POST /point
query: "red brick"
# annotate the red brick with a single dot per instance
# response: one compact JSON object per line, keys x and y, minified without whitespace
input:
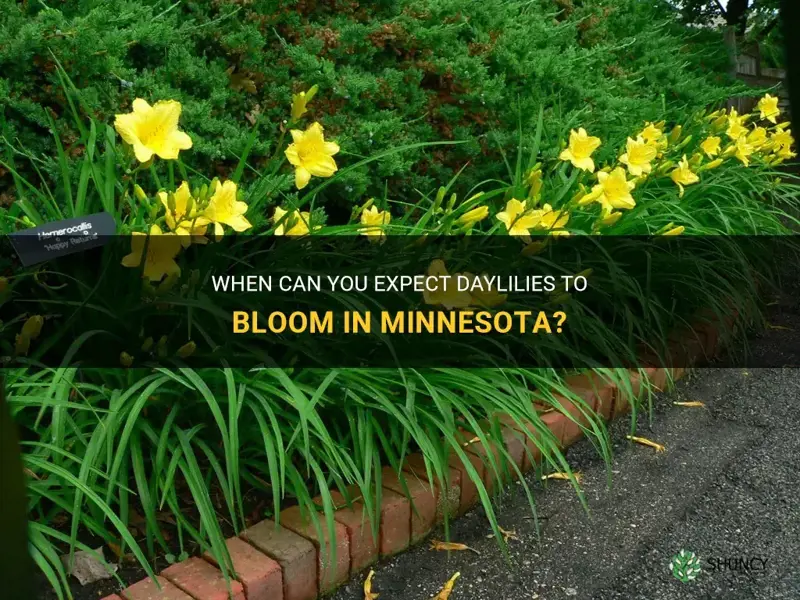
{"x":203,"y":581}
{"x":598,"y":392}
{"x":260,"y":575}
{"x":572,"y":430}
{"x":395,"y":523}
{"x":554,"y":421}
{"x":657,"y":377}
{"x":469,"y":489}
{"x":423,"y":499}
{"x":146,"y":589}
{"x":495,"y":463}
{"x":331,"y":574}
{"x":449,"y":498}
{"x":514,"y":443}
{"x":364,"y":545}
{"x":295,"y":554}
{"x":528,"y":435}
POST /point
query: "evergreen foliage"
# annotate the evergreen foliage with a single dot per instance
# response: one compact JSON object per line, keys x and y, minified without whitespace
{"x":390,"y":72}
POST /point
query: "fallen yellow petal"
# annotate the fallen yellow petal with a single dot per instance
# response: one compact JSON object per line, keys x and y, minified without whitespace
{"x":448,"y":588}
{"x":563,"y":476}
{"x":368,"y":595}
{"x":690,"y":404}
{"x":646,"y":442}
{"x":778,"y":327}
{"x":451,"y":546}
{"x":509,"y":535}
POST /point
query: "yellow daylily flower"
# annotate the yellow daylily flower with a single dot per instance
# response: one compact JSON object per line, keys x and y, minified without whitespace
{"x":683,"y":175}
{"x":447,"y":293}
{"x":295,"y":225}
{"x":553,"y":221}
{"x":473,"y":216}
{"x":517,"y":219}
{"x":785,"y":153}
{"x":153,"y":130}
{"x":300,"y":102}
{"x":581,"y":147}
{"x":711,"y":146}
{"x":162,"y":248}
{"x":757,"y":138}
{"x":225,"y":209}
{"x":650,"y":134}
{"x":743,"y":150}
{"x":488,"y":298}
{"x":184,"y":218}
{"x":374,"y":219}
{"x":311,"y":155}
{"x":638,"y":157}
{"x":612,"y":191}
{"x":768,"y":106}
{"x":736,"y":128}
{"x":782,"y":139}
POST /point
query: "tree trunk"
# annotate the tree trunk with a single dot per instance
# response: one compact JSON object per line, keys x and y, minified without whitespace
{"x":736,"y":16}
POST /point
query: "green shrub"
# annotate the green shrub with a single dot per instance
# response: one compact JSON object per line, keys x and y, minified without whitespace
{"x":390,"y":73}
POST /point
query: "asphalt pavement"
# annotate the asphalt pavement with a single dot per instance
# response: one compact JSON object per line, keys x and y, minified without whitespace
{"x":725,"y":489}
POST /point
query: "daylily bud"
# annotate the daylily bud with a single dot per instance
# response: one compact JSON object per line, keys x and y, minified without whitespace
{"x":451,"y":203}
{"x":3,"y":284}
{"x":189,"y":205}
{"x":533,"y":248}
{"x":611,"y":218}
{"x":439,"y":198}
{"x":187,"y":349}
{"x":161,"y":348}
{"x":27,"y":222}
{"x":147,"y":344}
{"x":240,"y":195}
{"x":675,"y":230}
{"x":684,"y":143}
{"x":33,"y":327}
{"x":660,"y":124}
{"x":203,"y":193}
{"x":473,"y":216}
{"x":719,"y":123}
{"x":171,"y":202}
{"x":22,"y":344}
{"x":139,"y":193}
{"x":666,"y":166}
{"x":696,"y":160}
{"x":666,"y":227}
{"x":675,"y":134}
{"x":561,"y":298}
{"x":125,"y":359}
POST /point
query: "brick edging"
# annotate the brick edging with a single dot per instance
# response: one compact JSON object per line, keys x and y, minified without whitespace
{"x":284,"y":562}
